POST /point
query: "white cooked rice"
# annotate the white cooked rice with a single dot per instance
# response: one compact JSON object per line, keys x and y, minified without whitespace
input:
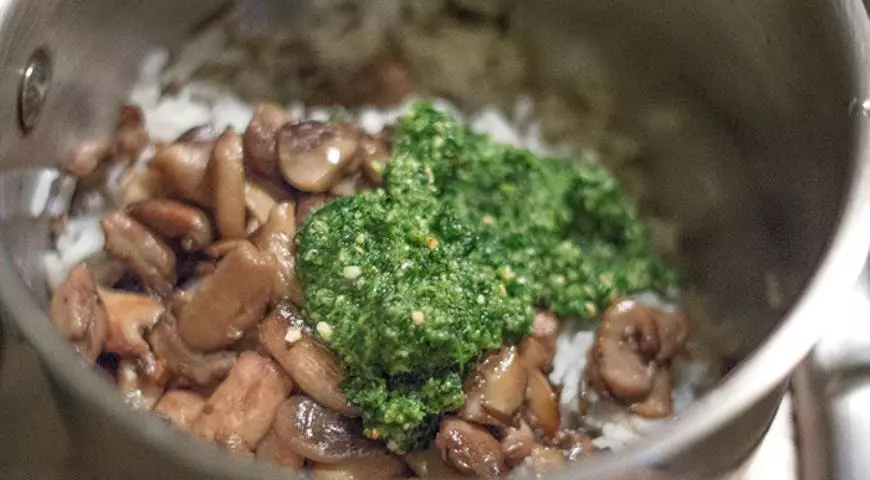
{"x":197,"y":104}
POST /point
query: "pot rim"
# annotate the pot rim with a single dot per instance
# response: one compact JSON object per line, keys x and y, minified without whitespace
{"x":764,"y":370}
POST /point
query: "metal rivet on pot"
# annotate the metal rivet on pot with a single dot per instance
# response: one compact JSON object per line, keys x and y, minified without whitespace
{"x":34,"y":87}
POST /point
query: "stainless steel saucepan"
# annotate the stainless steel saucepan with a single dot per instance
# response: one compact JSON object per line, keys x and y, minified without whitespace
{"x":754,"y":112}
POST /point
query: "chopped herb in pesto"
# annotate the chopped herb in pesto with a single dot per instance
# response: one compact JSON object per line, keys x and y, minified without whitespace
{"x":402,"y":306}
{"x":411,"y":283}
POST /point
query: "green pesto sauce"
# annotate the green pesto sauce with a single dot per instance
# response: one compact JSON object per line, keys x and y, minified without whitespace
{"x":450,"y":258}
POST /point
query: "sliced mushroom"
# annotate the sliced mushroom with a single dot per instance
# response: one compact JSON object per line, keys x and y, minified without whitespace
{"x":271,"y":449}
{"x":428,"y":463}
{"x":140,"y":184}
{"x":78,"y":312}
{"x":308,"y":204}
{"x":281,"y":329}
{"x":180,"y":299}
{"x":202,"y":369}
{"x":673,"y":330}
{"x":181,"y":407}
{"x":145,"y":254}
{"x":251,"y":226}
{"x":632,"y":324}
{"x":317,"y":372}
{"x":374,"y":154}
{"x":129,"y":316}
{"x":276,"y":237}
{"x":228,"y":185}
{"x":258,"y":201}
{"x":234,"y":444}
{"x":182,"y":169}
{"x":622,"y":357}
{"x":312,"y":155}
{"x":517,"y":443}
{"x":223,"y":248}
{"x":547,"y":459}
{"x":174,"y":220}
{"x":245,"y":404}
{"x":206,"y":133}
{"x":659,"y":403}
{"x":141,"y":391}
{"x":260,"y":139}
{"x":623,"y":373}
{"x":321,"y":434}
{"x":131,"y":137}
{"x":498,"y":386}
{"x":470,"y":448}
{"x":539,"y":349}
{"x":542,"y":404}
{"x":382,"y":466}
{"x":86,"y":159}
{"x":348,"y":186}
{"x":230,"y":301}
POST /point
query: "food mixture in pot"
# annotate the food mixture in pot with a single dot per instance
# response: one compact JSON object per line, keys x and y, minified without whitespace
{"x":413,"y":298}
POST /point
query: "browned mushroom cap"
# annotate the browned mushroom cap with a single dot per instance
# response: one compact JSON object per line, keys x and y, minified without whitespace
{"x":517,"y":443}
{"x":314,"y":368}
{"x":633,"y":324}
{"x":145,"y":254}
{"x":271,"y":449}
{"x":496,"y":389}
{"x":129,"y":316}
{"x":182,"y":169}
{"x":312,"y":155}
{"x":276,"y":238}
{"x":131,"y":137}
{"x":321,"y":434}
{"x":258,"y":201}
{"x":201,"y":369}
{"x":308,"y":204}
{"x":244,"y":405}
{"x":181,"y":407}
{"x":621,"y":370}
{"x":658,"y":404}
{"x":78,"y":312}
{"x":228,"y":185}
{"x":86,"y":159}
{"x":470,"y":448}
{"x":382,"y":466}
{"x":627,"y":343}
{"x":374,"y":155}
{"x":429,"y":463}
{"x":141,"y":391}
{"x":173,"y":219}
{"x":230,"y":301}
{"x":542,"y":404}
{"x":260,"y":139}
{"x":547,"y":459}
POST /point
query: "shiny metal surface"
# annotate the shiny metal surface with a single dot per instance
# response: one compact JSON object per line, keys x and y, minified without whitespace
{"x":35,"y":81}
{"x":832,"y":393}
{"x":757,"y":141}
